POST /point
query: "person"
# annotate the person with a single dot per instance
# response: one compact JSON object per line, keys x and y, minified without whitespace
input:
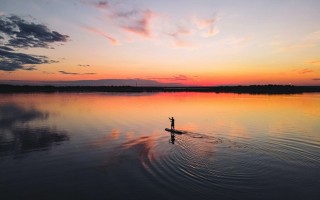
{"x":172,"y":122}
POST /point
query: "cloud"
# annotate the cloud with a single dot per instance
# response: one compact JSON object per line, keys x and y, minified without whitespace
{"x":237,"y":41}
{"x":211,"y":32}
{"x":316,"y":79}
{"x":179,"y":77}
{"x":149,"y":24}
{"x":313,"y":62}
{"x":134,"y":21}
{"x":204,"y":23}
{"x":75,"y":73}
{"x":125,"y":14}
{"x":139,"y":22}
{"x":6,"y":48}
{"x":113,"y":40}
{"x":305,"y":71}
{"x":180,"y":43}
{"x":180,"y":31}
{"x":86,"y":65}
{"x":17,"y":33}
{"x":20,"y":137}
{"x":12,"y":114}
{"x":23,"y":34}
{"x":101,"y":4}
{"x":70,"y":73}
{"x":179,"y":35}
{"x":208,"y":25}
{"x":30,"y":68}
{"x":11,"y":61}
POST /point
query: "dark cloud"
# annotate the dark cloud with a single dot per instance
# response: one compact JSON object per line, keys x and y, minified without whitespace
{"x":71,"y":73}
{"x":23,"y":34}
{"x":80,"y":65}
{"x":30,"y":68}
{"x":18,"y":33}
{"x":316,"y":79}
{"x":6,"y":48}
{"x":23,"y":58}
{"x":101,"y":4}
{"x":11,"y":61}
{"x":125,"y":14}
{"x":74,"y":73}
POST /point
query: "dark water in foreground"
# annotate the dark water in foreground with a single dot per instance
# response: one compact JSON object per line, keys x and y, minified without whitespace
{"x":113,"y":146}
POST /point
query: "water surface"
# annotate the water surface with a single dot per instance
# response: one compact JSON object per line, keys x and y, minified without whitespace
{"x":113,"y":146}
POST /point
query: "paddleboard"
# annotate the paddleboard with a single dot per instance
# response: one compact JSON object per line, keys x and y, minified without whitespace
{"x":173,"y":131}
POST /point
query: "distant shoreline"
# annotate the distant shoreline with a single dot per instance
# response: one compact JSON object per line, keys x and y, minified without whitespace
{"x":251,"y":89}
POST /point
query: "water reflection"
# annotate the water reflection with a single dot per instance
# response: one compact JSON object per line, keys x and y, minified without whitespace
{"x":172,"y":137}
{"x":12,"y":114}
{"x":19,"y":136}
{"x":231,"y":146}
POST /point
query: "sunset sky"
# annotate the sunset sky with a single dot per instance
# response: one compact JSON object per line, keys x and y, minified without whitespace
{"x":199,"y":42}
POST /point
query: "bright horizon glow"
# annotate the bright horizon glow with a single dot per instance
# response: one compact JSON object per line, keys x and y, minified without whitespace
{"x":189,"y":42}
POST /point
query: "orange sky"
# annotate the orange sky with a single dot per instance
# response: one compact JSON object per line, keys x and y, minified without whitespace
{"x":187,"y":42}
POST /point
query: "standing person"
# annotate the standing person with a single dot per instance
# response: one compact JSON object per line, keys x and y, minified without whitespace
{"x":172,"y":122}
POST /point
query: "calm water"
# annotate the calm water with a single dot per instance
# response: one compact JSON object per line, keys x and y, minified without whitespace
{"x":113,"y":146}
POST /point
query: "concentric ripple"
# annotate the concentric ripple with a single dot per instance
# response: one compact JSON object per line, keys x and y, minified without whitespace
{"x":206,"y":166}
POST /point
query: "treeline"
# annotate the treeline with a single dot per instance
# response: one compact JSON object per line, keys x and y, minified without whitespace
{"x":252,"y":89}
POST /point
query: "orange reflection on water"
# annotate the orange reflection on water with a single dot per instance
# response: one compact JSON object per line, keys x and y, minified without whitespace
{"x":146,"y":113}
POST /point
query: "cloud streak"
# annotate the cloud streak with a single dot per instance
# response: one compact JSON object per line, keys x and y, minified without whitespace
{"x":304,"y":71}
{"x":179,"y":77}
{"x":86,"y":65}
{"x":314,"y":62}
{"x":75,"y":73}
{"x":110,"y":38}
{"x":148,"y":24}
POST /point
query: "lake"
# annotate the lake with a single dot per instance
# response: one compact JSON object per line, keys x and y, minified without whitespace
{"x":114,"y":146}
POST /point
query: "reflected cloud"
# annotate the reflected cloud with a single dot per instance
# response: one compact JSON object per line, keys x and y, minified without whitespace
{"x":25,"y":140}
{"x":11,"y":114}
{"x":19,"y":137}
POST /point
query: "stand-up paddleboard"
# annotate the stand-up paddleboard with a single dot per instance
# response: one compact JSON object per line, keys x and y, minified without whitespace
{"x":174,"y":131}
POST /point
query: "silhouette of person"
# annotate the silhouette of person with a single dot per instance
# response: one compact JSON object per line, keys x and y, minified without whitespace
{"x":172,"y":122}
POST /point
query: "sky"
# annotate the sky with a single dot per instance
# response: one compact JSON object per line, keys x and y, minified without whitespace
{"x":190,"y":42}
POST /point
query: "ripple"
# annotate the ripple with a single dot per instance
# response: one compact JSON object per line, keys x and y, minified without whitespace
{"x":200,"y":162}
